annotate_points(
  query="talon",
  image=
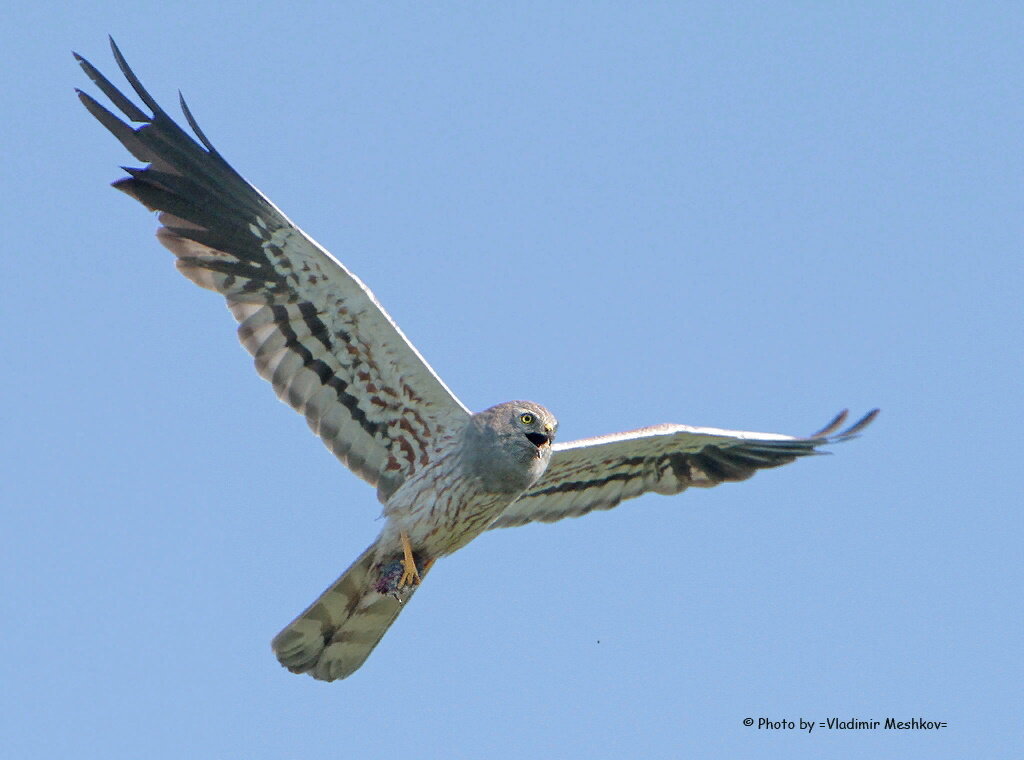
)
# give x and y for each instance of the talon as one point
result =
(410, 575)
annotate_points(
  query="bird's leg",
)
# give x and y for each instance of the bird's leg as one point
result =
(410, 575)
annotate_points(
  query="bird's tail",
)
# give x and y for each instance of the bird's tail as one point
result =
(334, 635)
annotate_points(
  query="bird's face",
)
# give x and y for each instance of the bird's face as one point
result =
(537, 425)
(509, 445)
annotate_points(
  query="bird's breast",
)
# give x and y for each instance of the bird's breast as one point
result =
(443, 512)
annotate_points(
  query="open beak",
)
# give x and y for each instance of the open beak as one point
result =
(540, 440)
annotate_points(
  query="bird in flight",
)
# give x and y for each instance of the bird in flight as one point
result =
(443, 474)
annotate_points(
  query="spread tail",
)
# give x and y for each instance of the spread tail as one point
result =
(337, 632)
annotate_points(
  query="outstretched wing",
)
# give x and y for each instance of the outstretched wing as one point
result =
(315, 331)
(598, 473)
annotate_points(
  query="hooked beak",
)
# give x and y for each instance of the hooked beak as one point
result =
(539, 439)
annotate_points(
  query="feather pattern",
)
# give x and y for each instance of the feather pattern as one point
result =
(316, 333)
(332, 353)
(601, 472)
(334, 635)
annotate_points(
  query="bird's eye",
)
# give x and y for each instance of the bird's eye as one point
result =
(526, 419)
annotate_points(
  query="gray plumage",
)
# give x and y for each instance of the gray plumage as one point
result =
(332, 353)
(443, 506)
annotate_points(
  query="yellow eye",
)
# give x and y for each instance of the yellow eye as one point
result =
(526, 419)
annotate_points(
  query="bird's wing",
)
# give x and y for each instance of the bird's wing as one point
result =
(598, 473)
(316, 332)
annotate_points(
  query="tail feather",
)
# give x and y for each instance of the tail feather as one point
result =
(334, 635)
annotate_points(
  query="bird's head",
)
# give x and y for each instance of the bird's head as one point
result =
(511, 443)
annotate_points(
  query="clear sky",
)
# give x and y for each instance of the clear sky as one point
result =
(739, 215)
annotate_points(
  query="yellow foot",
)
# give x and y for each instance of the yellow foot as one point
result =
(410, 575)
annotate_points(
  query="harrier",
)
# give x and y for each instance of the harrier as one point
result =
(331, 352)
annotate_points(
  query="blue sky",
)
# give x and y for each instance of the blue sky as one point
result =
(739, 215)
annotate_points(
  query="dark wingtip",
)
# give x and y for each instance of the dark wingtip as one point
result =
(831, 433)
(855, 429)
(126, 106)
(832, 426)
(134, 81)
(195, 126)
(860, 424)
